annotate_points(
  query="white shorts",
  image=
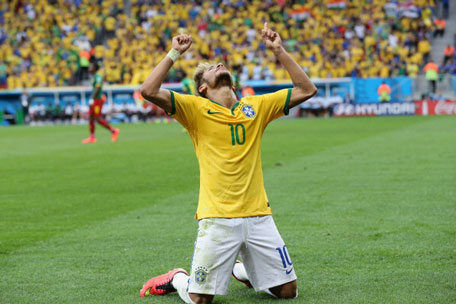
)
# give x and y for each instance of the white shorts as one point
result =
(221, 240)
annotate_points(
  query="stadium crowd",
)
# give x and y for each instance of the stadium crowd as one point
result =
(51, 43)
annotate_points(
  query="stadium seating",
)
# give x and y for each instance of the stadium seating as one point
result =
(49, 43)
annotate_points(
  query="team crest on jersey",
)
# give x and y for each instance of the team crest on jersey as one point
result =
(200, 275)
(248, 111)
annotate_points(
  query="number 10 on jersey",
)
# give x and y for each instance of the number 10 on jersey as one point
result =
(236, 138)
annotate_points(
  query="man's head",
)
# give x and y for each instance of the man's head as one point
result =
(211, 76)
(94, 67)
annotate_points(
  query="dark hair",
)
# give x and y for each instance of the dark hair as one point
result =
(96, 66)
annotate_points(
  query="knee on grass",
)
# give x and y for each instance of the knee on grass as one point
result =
(201, 298)
(285, 291)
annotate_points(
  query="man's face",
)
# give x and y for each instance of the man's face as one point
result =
(218, 75)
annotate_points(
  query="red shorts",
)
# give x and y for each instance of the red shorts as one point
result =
(95, 108)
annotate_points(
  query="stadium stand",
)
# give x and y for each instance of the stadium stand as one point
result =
(50, 43)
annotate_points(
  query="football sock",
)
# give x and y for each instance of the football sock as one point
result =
(103, 122)
(180, 283)
(239, 272)
(92, 128)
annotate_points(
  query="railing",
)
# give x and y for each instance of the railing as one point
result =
(360, 90)
(121, 93)
(446, 85)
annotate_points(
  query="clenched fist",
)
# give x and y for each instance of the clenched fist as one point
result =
(182, 42)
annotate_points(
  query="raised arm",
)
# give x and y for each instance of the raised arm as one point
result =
(150, 89)
(303, 88)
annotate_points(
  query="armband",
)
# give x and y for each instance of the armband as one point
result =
(173, 55)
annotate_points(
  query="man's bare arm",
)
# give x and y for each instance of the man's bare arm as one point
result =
(303, 88)
(150, 89)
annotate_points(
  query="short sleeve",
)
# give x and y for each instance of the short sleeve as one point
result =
(184, 108)
(275, 104)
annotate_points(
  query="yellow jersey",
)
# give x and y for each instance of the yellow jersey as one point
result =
(227, 146)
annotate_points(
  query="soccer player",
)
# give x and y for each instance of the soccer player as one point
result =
(96, 103)
(188, 86)
(233, 210)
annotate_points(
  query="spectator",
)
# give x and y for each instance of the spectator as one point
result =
(268, 75)
(360, 31)
(448, 53)
(3, 75)
(33, 115)
(438, 97)
(40, 112)
(110, 26)
(424, 48)
(257, 72)
(347, 98)
(331, 101)
(188, 86)
(25, 105)
(78, 113)
(131, 112)
(117, 111)
(412, 69)
(446, 8)
(84, 63)
(431, 69)
(449, 68)
(141, 106)
(47, 45)
(440, 25)
(58, 113)
(127, 111)
(247, 91)
(384, 92)
(68, 112)
(49, 112)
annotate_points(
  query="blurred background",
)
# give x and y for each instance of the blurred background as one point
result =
(366, 57)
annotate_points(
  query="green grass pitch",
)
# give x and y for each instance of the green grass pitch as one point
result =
(366, 206)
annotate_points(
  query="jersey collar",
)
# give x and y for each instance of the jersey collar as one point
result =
(232, 108)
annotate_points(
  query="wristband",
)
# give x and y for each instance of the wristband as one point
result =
(173, 55)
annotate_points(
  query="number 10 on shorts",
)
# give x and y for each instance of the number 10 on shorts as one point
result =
(284, 256)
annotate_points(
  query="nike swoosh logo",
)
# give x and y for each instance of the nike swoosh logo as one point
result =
(287, 272)
(210, 112)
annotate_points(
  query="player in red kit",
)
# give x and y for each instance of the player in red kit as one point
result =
(96, 103)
